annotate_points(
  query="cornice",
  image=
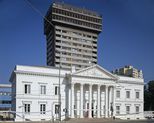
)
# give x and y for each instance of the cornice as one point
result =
(129, 101)
(94, 77)
(130, 82)
(38, 74)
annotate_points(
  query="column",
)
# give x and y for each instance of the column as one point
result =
(98, 101)
(72, 99)
(90, 101)
(110, 101)
(106, 101)
(113, 99)
(81, 100)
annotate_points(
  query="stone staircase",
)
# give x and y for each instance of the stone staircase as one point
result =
(89, 120)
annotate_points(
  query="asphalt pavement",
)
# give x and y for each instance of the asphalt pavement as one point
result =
(103, 121)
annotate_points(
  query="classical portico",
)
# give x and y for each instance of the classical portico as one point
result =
(91, 93)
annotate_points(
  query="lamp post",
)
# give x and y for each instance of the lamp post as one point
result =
(59, 88)
(52, 25)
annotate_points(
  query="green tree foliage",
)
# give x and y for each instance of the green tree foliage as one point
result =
(149, 97)
(147, 101)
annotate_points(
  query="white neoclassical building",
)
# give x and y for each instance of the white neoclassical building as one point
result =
(92, 92)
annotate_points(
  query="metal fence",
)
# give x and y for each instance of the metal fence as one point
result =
(149, 114)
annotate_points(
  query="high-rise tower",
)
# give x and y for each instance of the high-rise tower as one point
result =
(72, 36)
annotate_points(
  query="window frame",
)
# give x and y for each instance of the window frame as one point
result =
(117, 110)
(27, 88)
(117, 96)
(27, 108)
(127, 111)
(43, 89)
(42, 108)
(137, 96)
(56, 90)
(128, 96)
(137, 112)
(57, 106)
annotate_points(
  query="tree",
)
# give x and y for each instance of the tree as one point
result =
(147, 101)
(151, 91)
(149, 97)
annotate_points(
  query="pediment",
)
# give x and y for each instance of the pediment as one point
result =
(95, 71)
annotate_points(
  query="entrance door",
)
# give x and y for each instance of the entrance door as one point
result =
(87, 110)
(92, 107)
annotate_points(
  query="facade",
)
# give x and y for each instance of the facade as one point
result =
(92, 92)
(5, 102)
(71, 36)
(5, 97)
(129, 71)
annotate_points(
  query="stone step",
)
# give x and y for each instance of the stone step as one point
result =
(78, 120)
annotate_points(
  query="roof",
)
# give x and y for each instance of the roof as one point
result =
(5, 85)
(102, 70)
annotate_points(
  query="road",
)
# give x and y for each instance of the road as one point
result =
(109, 121)
(135, 121)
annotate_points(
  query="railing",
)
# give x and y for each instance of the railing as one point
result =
(11, 115)
(6, 115)
(149, 114)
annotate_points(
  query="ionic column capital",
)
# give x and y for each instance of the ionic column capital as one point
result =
(90, 85)
(82, 84)
(99, 85)
(106, 86)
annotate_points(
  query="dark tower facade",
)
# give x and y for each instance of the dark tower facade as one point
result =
(71, 36)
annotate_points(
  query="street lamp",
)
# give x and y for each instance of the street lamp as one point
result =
(52, 25)
(59, 88)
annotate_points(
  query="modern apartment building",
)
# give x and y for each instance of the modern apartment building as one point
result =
(5, 102)
(71, 35)
(129, 71)
(5, 97)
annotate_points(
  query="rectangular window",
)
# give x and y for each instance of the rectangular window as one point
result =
(127, 109)
(137, 95)
(56, 109)
(58, 30)
(118, 94)
(43, 89)
(137, 109)
(27, 108)
(117, 109)
(27, 88)
(127, 94)
(56, 90)
(42, 108)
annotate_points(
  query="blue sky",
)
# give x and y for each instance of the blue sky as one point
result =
(127, 37)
